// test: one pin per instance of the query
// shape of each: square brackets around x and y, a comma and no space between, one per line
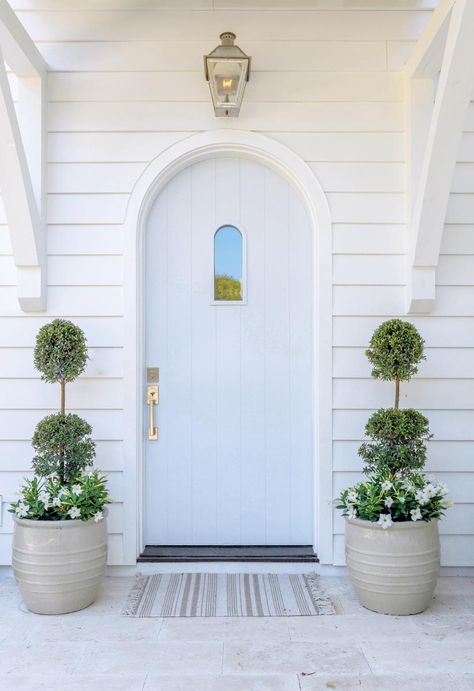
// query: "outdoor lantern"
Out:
[227,71]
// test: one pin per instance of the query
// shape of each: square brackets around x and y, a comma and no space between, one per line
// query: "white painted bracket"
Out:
[22,157]
[440,77]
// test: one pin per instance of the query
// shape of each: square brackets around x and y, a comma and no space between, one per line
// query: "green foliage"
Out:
[395,350]
[389,497]
[398,444]
[395,489]
[50,500]
[63,446]
[63,489]
[227,288]
[60,351]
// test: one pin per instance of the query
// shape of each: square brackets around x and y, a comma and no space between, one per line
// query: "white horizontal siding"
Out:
[440,363]
[182,86]
[149,25]
[185,116]
[327,83]
[19,454]
[17,363]
[18,424]
[362,269]
[366,239]
[438,332]
[101,331]
[81,394]
[81,178]
[67,301]
[88,239]
[452,456]
[360,177]
[446,425]
[137,56]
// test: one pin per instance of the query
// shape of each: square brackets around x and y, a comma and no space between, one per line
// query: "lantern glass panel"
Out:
[226,76]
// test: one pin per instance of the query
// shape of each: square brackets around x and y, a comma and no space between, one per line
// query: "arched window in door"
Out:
[228,264]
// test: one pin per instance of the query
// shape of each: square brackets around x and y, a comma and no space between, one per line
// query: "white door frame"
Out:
[157,174]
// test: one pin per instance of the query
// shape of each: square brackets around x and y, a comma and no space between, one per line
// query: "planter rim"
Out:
[399,525]
[63,523]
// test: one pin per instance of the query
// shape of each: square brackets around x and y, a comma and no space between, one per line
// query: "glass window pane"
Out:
[228,262]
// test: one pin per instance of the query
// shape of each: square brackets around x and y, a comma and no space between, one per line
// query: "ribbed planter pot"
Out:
[394,571]
[59,565]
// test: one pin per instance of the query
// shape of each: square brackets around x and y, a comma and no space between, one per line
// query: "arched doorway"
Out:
[292,171]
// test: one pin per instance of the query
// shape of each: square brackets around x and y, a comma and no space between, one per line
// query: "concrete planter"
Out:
[394,571]
[59,565]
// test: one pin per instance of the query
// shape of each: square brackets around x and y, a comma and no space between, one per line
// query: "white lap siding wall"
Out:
[127,82]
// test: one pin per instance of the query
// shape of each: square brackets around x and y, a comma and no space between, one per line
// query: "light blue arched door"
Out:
[229,324]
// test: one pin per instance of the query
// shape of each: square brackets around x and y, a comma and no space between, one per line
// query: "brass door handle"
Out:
[152,400]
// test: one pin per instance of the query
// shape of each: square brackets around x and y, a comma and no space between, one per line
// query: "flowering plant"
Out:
[396,489]
[64,486]
[47,499]
[391,498]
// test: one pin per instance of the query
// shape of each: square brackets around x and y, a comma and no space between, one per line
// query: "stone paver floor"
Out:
[97,650]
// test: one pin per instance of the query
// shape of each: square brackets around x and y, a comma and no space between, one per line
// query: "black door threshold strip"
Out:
[255,553]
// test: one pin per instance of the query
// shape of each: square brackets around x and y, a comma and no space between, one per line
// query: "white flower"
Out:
[22,510]
[401,500]
[76,489]
[421,497]
[56,501]
[43,497]
[430,490]
[352,497]
[386,485]
[88,471]
[415,514]
[385,520]
[74,512]
[442,490]
[98,516]
[388,502]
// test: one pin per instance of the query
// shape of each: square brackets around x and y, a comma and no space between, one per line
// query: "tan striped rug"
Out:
[227,595]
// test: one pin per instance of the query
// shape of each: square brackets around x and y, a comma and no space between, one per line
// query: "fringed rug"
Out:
[227,595]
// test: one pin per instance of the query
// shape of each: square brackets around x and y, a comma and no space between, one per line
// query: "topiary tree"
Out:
[398,444]
[60,354]
[62,441]
[398,436]
[395,350]
[63,446]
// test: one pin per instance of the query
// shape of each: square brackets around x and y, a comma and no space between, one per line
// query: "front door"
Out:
[229,325]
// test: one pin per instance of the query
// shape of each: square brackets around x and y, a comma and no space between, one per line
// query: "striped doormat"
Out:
[227,595]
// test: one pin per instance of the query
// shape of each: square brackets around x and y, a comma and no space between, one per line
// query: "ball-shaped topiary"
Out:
[60,353]
[398,441]
[395,350]
[63,446]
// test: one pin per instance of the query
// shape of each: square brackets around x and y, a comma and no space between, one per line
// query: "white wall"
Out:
[127,83]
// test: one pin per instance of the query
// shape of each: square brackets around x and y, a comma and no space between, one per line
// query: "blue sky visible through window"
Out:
[228,253]
[228,260]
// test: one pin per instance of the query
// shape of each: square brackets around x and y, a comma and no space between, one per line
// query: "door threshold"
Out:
[244,553]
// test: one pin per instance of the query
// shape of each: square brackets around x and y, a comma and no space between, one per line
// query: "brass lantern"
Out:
[227,71]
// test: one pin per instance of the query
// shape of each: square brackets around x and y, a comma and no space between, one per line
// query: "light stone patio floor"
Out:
[97,650]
